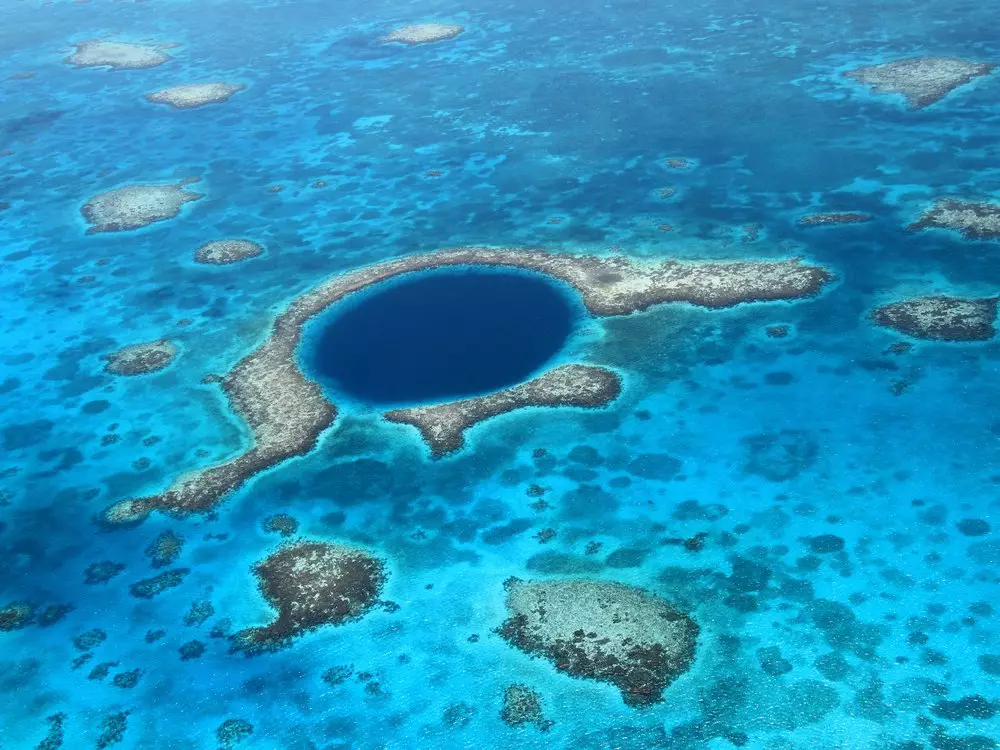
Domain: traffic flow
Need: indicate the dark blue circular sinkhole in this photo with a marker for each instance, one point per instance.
(440, 335)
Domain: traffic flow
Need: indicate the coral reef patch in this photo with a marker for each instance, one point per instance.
(921, 80)
(974, 220)
(118, 55)
(224, 252)
(141, 359)
(423, 33)
(311, 584)
(833, 219)
(603, 631)
(522, 705)
(136, 206)
(940, 318)
(191, 95)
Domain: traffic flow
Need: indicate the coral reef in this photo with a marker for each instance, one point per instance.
(164, 549)
(90, 639)
(102, 670)
(113, 730)
(337, 675)
(191, 650)
(191, 95)
(15, 616)
(286, 412)
(832, 219)
(140, 359)
(127, 680)
(136, 206)
(101, 572)
(55, 736)
(423, 33)
(118, 55)
(975, 220)
(54, 613)
(780, 456)
(281, 523)
(443, 425)
(522, 705)
(233, 731)
(224, 252)
(312, 584)
(922, 80)
(198, 613)
(940, 318)
(603, 631)
(150, 587)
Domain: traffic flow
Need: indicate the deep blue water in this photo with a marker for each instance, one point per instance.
(440, 336)
(544, 125)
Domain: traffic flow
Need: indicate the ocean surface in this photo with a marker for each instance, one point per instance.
(842, 491)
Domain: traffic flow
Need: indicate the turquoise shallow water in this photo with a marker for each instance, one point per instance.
(545, 126)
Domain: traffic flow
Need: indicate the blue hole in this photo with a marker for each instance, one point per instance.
(440, 336)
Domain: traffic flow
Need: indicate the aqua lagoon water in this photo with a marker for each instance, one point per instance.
(845, 583)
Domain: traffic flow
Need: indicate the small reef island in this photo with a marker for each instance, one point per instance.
(974, 220)
(286, 412)
(423, 33)
(225, 252)
(312, 584)
(136, 206)
(921, 80)
(940, 318)
(191, 95)
(140, 359)
(602, 631)
(118, 55)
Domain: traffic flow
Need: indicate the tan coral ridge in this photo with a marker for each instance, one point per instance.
(443, 425)
(286, 412)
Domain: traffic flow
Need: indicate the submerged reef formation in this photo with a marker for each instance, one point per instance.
(443, 425)
(191, 95)
(832, 219)
(140, 359)
(940, 318)
(522, 705)
(224, 252)
(603, 631)
(136, 206)
(280, 523)
(423, 33)
(118, 55)
(311, 584)
(975, 220)
(232, 732)
(286, 412)
(15, 616)
(922, 80)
